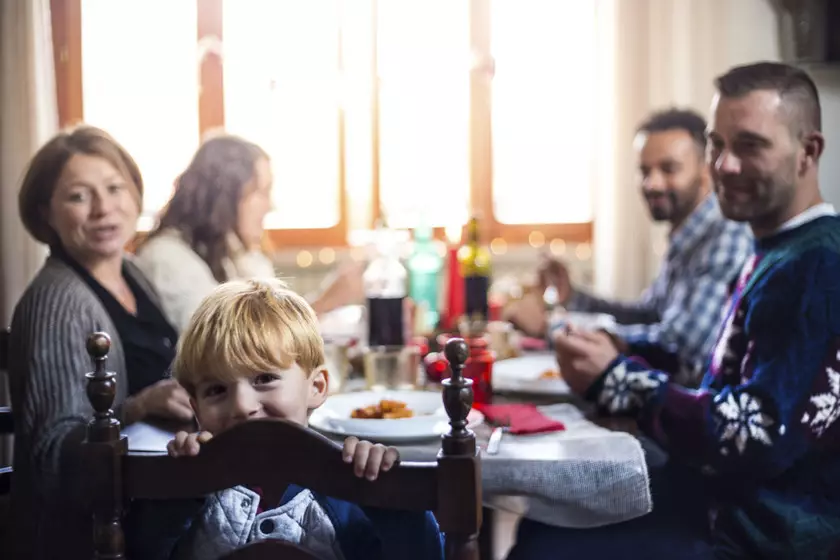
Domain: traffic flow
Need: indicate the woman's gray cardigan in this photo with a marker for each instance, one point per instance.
(47, 365)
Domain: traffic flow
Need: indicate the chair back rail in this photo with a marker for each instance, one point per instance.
(451, 487)
(306, 458)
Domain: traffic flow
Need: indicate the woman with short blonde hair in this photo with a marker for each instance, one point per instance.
(81, 195)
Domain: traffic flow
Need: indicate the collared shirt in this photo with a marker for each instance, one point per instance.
(681, 311)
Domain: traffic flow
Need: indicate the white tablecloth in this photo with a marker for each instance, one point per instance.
(585, 476)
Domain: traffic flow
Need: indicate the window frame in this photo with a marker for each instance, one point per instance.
(481, 149)
(67, 51)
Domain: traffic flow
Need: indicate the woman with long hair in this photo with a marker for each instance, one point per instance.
(211, 231)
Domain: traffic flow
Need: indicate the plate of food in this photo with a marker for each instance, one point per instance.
(385, 416)
(532, 373)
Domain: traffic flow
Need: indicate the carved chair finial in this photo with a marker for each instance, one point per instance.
(458, 400)
(101, 390)
(104, 449)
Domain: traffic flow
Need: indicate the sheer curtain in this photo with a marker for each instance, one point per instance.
(29, 118)
(663, 53)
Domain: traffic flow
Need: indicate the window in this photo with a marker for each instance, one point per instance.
(542, 110)
(143, 91)
(282, 91)
(424, 94)
(422, 109)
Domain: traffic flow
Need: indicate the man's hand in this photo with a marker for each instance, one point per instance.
(583, 357)
(553, 273)
(527, 314)
(619, 343)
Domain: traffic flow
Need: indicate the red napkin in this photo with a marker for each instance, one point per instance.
(521, 418)
(536, 344)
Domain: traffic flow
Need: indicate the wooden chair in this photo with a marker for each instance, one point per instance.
(451, 487)
(7, 430)
(7, 425)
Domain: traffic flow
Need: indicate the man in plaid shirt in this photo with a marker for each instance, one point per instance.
(673, 325)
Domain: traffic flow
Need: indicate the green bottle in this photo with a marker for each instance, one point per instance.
(424, 266)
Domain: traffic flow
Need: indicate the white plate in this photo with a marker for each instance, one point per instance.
(522, 375)
(429, 420)
(582, 320)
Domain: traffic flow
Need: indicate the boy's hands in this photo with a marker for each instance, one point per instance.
(369, 459)
(186, 444)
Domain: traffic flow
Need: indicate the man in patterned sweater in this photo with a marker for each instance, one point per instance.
(761, 431)
(674, 323)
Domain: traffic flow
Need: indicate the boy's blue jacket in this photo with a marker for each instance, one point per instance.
(329, 528)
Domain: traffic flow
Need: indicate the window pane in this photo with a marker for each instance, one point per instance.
(282, 92)
(543, 102)
(423, 58)
(142, 87)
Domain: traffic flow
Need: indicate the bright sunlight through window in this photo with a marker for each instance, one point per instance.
(282, 91)
(423, 61)
(542, 110)
(142, 86)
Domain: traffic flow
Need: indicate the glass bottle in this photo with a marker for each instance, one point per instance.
(424, 266)
(474, 259)
(384, 281)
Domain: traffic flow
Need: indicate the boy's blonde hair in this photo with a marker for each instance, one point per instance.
(247, 326)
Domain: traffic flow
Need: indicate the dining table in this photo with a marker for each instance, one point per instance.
(589, 474)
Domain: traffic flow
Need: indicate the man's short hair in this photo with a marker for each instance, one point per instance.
(247, 326)
(686, 120)
(796, 88)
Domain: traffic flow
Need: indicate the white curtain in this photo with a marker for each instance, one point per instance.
(28, 117)
(657, 54)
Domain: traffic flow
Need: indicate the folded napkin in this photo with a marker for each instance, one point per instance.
(521, 418)
(528, 343)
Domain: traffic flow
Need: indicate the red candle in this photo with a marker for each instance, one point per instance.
(455, 289)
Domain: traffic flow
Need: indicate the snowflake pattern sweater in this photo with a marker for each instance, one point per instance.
(763, 426)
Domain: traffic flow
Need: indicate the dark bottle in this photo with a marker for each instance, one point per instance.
(475, 269)
(385, 281)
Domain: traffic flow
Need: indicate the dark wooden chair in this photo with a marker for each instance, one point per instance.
(248, 455)
(7, 425)
(7, 430)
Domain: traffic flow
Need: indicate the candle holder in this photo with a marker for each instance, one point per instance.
(478, 367)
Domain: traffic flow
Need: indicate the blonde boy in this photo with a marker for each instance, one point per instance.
(253, 350)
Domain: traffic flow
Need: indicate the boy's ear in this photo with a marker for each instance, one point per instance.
(319, 386)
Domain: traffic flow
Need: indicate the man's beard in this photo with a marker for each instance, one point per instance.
(677, 204)
(662, 212)
(757, 200)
